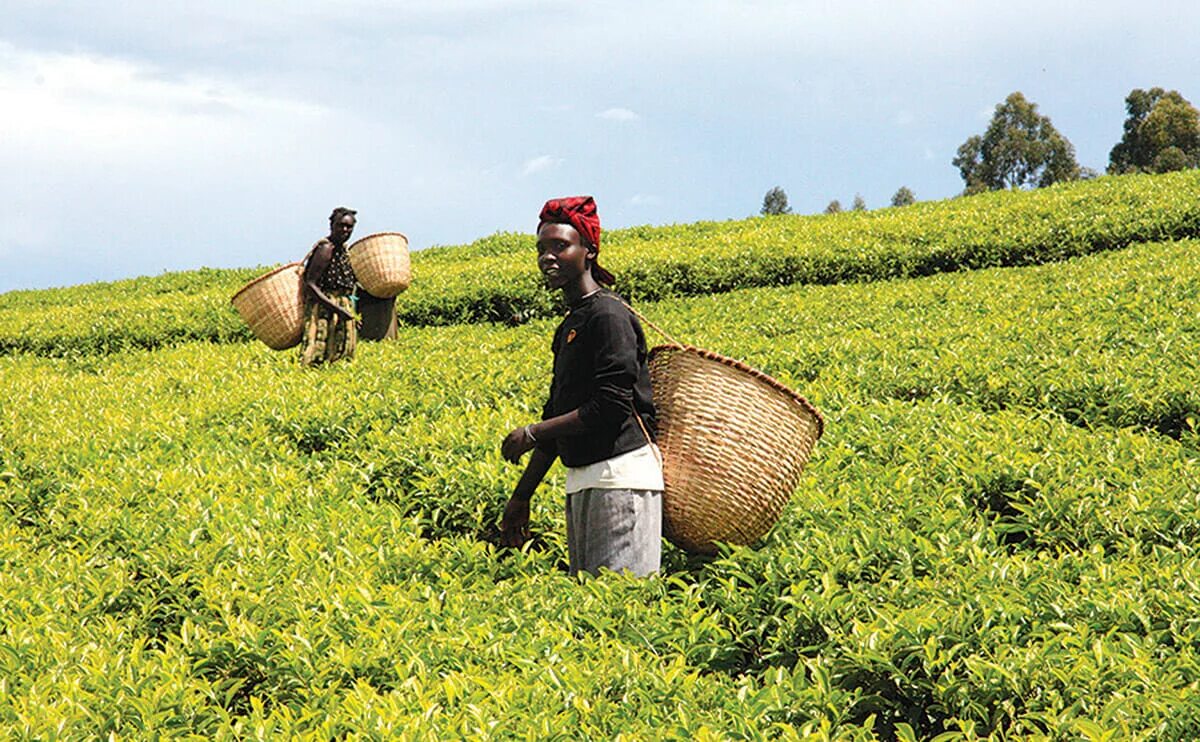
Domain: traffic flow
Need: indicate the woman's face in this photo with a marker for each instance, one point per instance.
(341, 230)
(562, 256)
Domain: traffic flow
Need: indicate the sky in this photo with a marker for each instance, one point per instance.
(141, 137)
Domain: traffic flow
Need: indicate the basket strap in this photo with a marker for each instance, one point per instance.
(653, 326)
(642, 425)
(636, 416)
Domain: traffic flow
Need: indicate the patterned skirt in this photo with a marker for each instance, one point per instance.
(328, 337)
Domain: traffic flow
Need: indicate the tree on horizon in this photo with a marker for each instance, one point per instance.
(903, 197)
(1162, 134)
(775, 202)
(1021, 148)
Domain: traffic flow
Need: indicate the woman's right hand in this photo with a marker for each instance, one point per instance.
(514, 526)
(516, 443)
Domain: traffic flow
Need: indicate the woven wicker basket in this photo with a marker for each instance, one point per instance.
(273, 306)
(380, 263)
(734, 442)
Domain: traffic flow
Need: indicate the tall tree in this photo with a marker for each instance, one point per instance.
(775, 202)
(859, 204)
(834, 207)
(1020, 148)
(1162, 133)
(903, 197)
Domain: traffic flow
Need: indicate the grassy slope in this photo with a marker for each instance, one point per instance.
(491, 279)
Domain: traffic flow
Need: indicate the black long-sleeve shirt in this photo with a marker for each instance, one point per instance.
(600, 368)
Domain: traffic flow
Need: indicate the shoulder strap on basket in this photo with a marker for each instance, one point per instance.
(654, 448)
(653, 326)
(636, 416)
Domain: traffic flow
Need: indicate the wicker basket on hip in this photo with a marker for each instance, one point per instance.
(380, 262)
(273, 306)
(734, 442)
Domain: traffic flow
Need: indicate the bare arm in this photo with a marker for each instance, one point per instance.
(535, 472)
(514, 526)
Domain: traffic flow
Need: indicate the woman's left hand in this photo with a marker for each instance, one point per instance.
(515, 445)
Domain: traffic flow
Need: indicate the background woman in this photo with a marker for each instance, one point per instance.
(330, 327)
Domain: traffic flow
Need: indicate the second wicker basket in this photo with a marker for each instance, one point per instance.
(381, 263)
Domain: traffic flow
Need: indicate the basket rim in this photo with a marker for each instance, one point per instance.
(740, 366)
(361, 240)
(262, 278)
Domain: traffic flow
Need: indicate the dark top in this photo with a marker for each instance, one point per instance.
(338, 278)
(600, 368)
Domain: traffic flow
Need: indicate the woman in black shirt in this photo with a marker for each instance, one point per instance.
(599, 418)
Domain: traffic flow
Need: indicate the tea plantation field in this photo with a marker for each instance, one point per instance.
(998, 535)
(489, 281)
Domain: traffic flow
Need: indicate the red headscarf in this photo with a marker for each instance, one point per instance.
(580, 213)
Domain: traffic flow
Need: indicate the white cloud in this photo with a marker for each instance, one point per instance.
(84, 106)
(618, 114)
(540, 164)
(645, 199)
